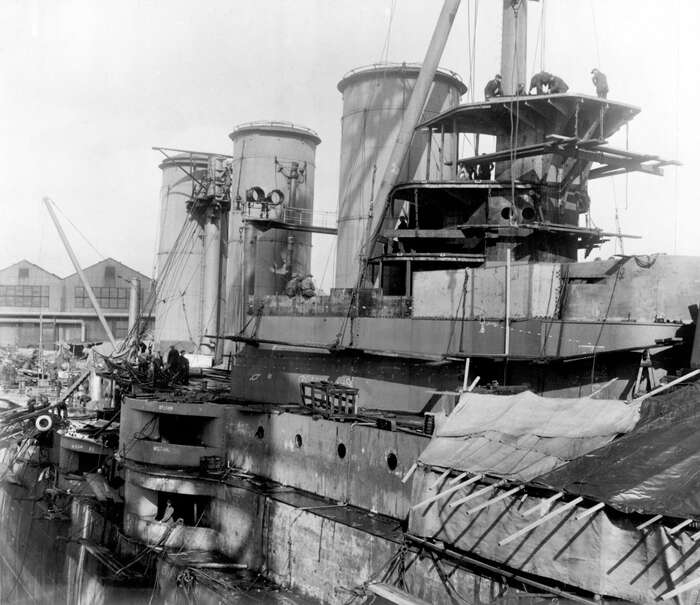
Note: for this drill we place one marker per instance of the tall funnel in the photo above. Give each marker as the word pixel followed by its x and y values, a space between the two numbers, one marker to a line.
pixel 272 156
pixel 180 260
pixel 374 102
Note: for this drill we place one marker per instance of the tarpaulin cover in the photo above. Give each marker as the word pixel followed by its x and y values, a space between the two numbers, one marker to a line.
pixel 655 469
pixel 522 436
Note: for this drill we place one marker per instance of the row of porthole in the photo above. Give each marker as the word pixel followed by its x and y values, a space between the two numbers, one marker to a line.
pixel 391 460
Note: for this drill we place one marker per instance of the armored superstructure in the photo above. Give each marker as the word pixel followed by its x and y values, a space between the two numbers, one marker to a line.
pixel 469 415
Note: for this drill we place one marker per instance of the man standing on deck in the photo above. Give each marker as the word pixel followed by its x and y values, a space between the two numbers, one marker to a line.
pixel 539 81
pixel 557 85
pixel 173 362
pixel 493 88
pixel 184 368
pixel 483 170
pixel 600 81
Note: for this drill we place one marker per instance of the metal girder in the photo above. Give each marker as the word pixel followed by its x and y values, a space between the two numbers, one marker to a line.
pixel 519 116
pixel 582 152
pixel 577 167
pixel 558 106
pixel 423 233
pixel 265 224
pixel 610 160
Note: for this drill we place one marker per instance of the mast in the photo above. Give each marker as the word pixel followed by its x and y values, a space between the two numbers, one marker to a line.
pixel 514 45
pixel 81 275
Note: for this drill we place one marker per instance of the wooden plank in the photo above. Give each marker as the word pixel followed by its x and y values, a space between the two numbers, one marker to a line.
pixel 649 522
pixel 679 527
pixel 440 479
pixel 542 505
pixel 410 472
pixel 502 496
pixel 666 386
pixel 393 594
pixel 535 524
pixel 590 511
pixel 680 589
pixel 447 492
pixel 477 493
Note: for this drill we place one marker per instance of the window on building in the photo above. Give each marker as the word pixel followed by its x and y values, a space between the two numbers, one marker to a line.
pixel 110 275
pixel 121 328
pixel 24 296
pixel 24 273
pixel 109 298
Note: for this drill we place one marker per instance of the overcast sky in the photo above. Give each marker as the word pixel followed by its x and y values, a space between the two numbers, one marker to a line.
pixel 88 87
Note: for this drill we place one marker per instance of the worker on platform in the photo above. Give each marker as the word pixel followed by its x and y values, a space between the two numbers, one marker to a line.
pixel 292 287
pixel 557 85
pixel 600 81
pixel 307 286
pixel 493 88
pixel 184 368
pixel 539 81
pixel 172 363
pixel 521 91
pixel 483 171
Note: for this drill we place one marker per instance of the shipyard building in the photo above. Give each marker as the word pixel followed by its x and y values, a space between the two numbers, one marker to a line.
pixel 39 307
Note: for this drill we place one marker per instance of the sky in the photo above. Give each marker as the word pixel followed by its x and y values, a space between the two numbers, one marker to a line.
pixel 87 87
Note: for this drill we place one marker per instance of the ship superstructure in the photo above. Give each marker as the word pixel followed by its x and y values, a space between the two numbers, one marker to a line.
pixel 473 413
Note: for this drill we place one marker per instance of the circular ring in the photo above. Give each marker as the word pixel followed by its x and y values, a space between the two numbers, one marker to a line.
pixel 275 197
pixel 43 423
pixel 255 195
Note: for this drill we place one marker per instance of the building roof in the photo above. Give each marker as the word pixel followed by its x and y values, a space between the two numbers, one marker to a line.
pixel 24 261
pixel 111 260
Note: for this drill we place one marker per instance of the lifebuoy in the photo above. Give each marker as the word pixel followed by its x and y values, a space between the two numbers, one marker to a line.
pixel 43 423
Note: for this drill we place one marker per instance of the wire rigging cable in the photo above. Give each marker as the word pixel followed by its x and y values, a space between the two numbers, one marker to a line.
pixel 471 44
pixel 540 40
pixel 595 33
pixel 384 56
pixel 514 121
pixel 89 243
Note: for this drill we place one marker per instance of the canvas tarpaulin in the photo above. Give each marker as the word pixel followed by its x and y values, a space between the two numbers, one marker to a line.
pixel 522 436
pixel 652 467
pixel 655 469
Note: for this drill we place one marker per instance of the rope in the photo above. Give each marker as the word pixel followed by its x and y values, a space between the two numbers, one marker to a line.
pixel 514 128
pixel 595 34
pixel 540 43
pixel 471 45
pixel 605 319
pixel 384 56
pixel 89 243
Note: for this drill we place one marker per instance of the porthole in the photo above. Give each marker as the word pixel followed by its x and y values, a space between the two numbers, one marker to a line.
pixel 342 450
pixel 528 213
pixel 298 440
pixel 260 433
pixel 392 461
